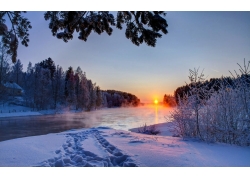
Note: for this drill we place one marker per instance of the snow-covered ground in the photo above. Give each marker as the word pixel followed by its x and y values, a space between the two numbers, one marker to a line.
pixel 104 146
pixel 12 110
pixel 13 114
pixel 112 147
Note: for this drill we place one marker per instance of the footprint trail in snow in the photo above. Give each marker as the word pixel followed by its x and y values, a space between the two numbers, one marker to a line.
pixel 74 152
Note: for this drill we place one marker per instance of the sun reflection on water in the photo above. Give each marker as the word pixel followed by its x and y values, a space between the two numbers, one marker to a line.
pixel 156 114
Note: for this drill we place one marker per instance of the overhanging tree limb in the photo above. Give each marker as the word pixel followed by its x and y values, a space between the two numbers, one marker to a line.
pixel 142 26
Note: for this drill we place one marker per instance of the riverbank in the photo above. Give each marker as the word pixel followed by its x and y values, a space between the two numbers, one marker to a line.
pixel 104 146
pixel 20 111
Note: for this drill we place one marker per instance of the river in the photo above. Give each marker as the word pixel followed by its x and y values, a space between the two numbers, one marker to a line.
pixel 117 118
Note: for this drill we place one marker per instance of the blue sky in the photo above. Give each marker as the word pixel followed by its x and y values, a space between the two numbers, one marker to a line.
pixel 213 41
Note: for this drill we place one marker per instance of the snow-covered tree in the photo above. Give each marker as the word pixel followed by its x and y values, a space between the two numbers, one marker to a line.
pixel 58 82
pixel 84 97
pixel 196 95
pixel 29 85
pixel 4 64
pixel 92 95
pixel 98 96
pixel 17 72
pixel 78 75
pixel 49 64
pixel 104 99
pixel 215 114
pixel 70 87
pixel 29 68
pixel 43 87
pixel 4 71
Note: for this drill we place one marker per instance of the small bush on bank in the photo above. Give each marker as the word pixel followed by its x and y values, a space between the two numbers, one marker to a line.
pixel 151 130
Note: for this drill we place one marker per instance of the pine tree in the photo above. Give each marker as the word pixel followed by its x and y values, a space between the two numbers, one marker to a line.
pixel 42 95
pixel 92 95
pixel 29 85
pixel 4 70
pixel 4 65
pixel 69 73
pixel 17 72
pixel 84 97
pixel 70 87
pixel 77 76
pixel 19 30
pixel 169 100
pixel 141 26
pixel 58 86
pixel 164 99
pixel 98 97
pixel 104 99
pixel 49 64
pixel 29 68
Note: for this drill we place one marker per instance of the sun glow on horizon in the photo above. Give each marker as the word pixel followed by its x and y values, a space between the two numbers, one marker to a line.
pixel 156 101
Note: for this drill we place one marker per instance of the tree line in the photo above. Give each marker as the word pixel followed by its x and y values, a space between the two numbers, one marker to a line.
pixel 214 84
pixel 47 86
pixel 169 100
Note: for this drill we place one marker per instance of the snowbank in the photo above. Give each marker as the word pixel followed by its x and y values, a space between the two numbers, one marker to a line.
pixel 12 110
pixel 109 147
pixel 14 114
pixel 29 150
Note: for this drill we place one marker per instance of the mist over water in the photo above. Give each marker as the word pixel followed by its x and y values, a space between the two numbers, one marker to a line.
pixel 127 118
pixel 117 118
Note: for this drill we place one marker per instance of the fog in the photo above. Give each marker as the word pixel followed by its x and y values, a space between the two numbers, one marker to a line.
pixel 127 118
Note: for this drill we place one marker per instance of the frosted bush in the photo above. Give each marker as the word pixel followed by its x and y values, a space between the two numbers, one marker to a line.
pixel 215 116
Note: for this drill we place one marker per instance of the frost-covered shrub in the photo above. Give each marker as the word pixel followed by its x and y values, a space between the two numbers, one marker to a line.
pixel 183 124
pixel 216 116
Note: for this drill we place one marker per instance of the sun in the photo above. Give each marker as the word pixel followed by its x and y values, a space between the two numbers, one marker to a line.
pixel 156 101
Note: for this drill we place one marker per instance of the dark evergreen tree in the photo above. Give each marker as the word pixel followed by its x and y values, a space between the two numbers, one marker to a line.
pixel 49 64
pixel 70 87
pixel 92 95
pixel 169 100
pixel 84 96
pixel 29 86
pixel 4 70
pixel 141 26
pixel 58 92
pixel 19 30
pixel 77 86
pixel 69 73
pixel 98 97
pixel 42 89
pixel 17 72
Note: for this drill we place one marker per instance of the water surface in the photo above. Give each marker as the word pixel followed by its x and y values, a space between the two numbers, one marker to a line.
pixel 117 118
